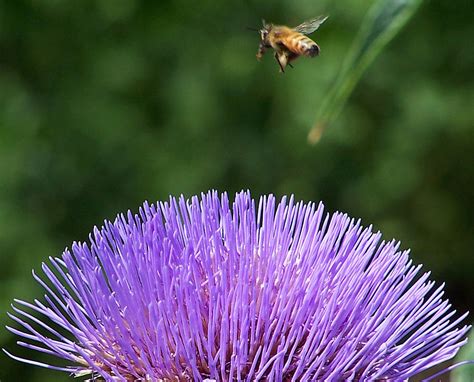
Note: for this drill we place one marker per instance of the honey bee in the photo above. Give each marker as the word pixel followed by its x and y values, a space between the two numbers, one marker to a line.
pixel 289 43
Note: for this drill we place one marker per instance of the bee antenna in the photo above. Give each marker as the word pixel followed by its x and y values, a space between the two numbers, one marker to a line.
pixel 252 29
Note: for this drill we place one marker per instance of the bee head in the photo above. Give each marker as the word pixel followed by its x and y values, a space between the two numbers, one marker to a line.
pixel 265 30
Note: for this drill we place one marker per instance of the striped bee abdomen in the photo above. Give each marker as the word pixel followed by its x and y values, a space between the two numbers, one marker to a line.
pixel 303 45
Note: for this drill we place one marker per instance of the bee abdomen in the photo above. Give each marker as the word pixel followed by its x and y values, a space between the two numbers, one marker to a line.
pixel 314 50
pixel 305 46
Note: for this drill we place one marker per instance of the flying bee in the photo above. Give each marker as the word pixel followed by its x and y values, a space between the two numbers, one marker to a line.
pixel 289 43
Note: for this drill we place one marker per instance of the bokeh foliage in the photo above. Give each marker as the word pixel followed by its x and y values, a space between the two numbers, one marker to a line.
pixel 383 21
pixel 106 103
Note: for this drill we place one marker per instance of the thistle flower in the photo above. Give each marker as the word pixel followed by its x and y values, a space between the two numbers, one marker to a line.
pixel 203 289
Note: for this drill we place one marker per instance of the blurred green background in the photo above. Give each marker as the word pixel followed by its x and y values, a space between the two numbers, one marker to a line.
pixel 106 103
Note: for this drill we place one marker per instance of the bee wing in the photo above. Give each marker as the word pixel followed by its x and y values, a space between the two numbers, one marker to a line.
pixel 310 26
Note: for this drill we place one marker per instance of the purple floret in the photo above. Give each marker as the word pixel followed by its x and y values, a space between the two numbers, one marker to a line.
pixel 197 289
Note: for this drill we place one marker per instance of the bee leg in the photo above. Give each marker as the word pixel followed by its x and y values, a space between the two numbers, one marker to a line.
pixel 261 52
pixel 282 68
pixel 291 57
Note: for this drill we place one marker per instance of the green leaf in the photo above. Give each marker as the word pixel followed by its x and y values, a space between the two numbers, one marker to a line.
pixel 464 372
pixel 382 22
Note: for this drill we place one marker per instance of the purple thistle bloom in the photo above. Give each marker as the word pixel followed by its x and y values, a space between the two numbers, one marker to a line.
pixel 200 289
